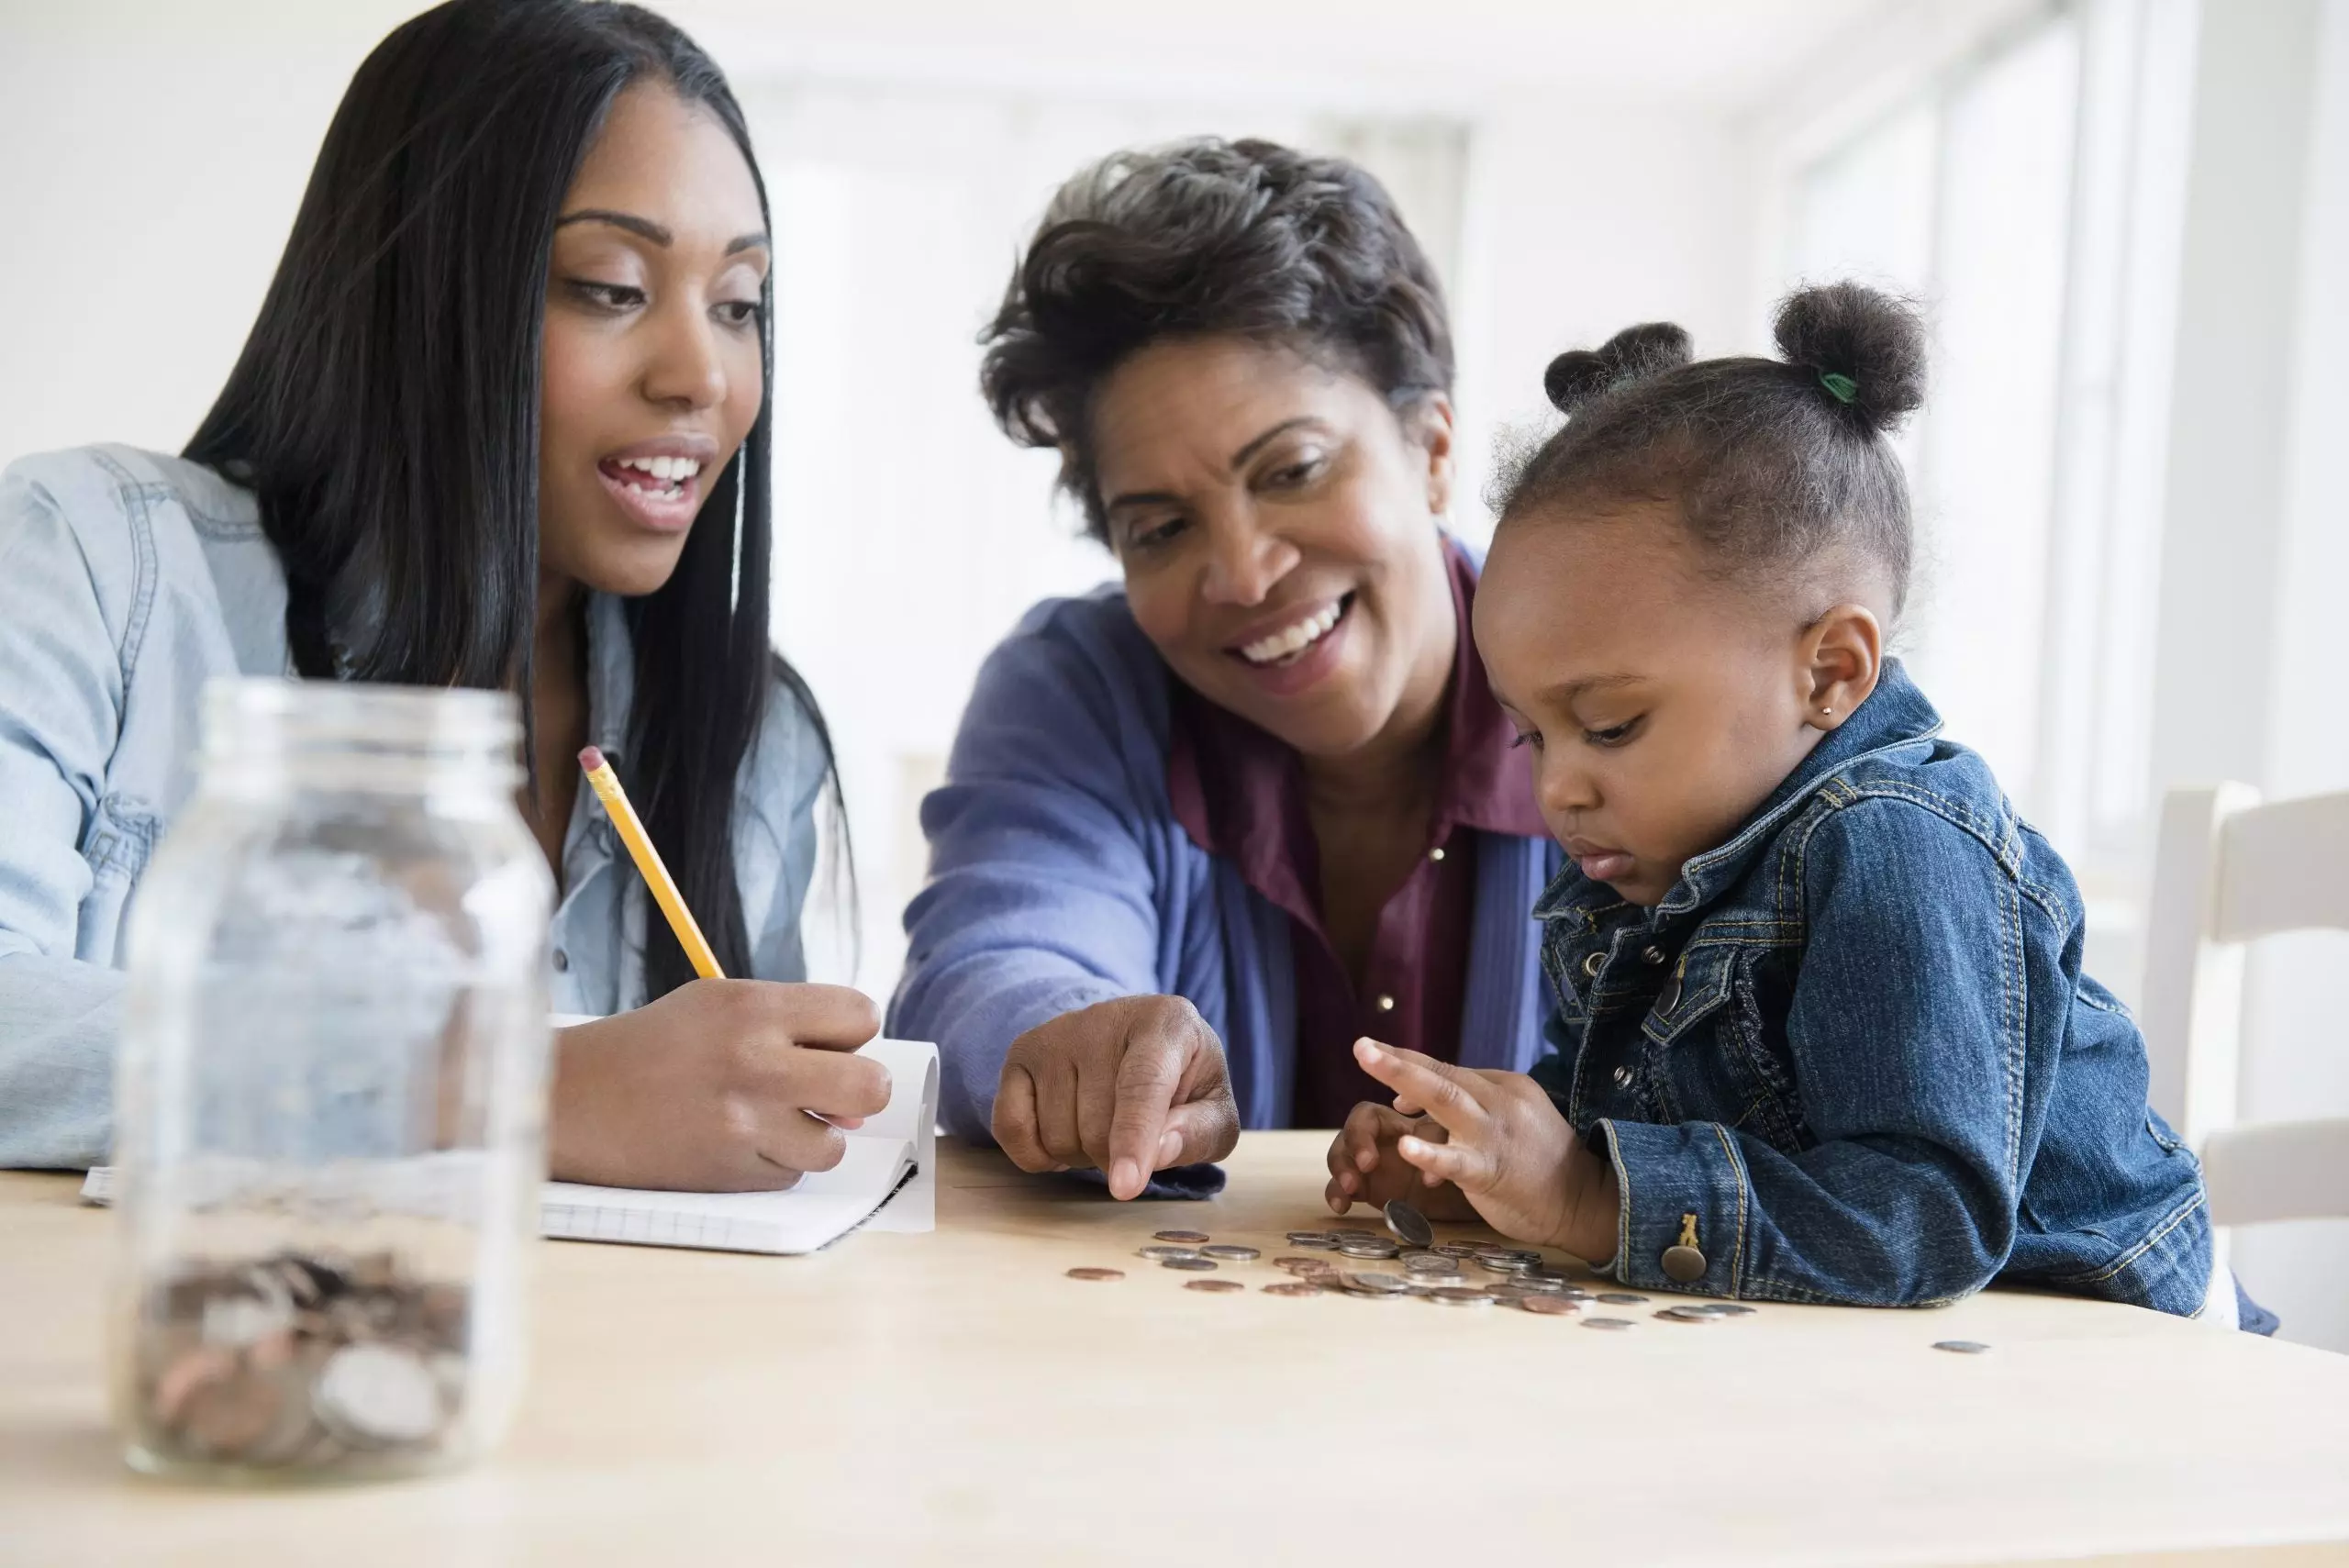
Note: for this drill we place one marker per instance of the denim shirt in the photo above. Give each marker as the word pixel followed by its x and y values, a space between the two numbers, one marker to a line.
pixel 127 580
pixel 1851 1057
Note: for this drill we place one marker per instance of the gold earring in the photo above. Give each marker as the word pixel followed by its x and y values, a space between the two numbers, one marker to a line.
pixel 1828 711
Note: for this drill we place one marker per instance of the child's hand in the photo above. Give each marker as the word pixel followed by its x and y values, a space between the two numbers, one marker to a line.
pixel 1505 1147
pixel 1365 1167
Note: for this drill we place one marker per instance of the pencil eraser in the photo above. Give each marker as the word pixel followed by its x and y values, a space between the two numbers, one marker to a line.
pixel 591 759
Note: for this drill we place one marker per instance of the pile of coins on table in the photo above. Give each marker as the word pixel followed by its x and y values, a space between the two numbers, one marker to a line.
pixel 1460 1274
pixel 301 1362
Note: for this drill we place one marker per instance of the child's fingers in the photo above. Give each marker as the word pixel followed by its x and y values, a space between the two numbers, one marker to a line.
pixel 1462 1166
pixel 1440 1091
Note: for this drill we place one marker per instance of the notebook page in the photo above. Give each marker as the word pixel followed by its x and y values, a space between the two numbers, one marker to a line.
pixel 824 1206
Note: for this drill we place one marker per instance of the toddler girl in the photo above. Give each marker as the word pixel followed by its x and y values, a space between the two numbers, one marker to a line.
pixel 1823 1032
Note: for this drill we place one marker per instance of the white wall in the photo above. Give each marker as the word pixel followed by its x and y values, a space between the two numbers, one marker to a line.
pixel 151 157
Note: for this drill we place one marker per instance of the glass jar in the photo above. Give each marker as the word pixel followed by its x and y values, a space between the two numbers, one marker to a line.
pixel 330 1095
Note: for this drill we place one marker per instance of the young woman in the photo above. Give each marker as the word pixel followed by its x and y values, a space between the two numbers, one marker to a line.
pixel 1202 831
pixel 502 423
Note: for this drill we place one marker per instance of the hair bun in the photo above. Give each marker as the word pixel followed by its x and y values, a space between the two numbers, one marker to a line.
pixel 1875 341
pixel 1635 353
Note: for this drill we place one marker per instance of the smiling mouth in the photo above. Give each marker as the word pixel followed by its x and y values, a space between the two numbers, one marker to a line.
pixel 663 478
pixel 1292 641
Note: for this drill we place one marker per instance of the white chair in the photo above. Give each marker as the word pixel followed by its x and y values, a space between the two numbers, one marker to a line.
pixel 2228 869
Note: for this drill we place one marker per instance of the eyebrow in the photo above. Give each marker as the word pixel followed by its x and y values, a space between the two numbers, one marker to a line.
pixel 1238 460
pixel 645 228
pixel 1564 693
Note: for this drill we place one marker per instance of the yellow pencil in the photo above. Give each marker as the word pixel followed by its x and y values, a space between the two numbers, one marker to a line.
pixel 648 861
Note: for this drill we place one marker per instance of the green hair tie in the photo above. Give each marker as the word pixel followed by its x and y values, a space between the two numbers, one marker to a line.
pixel 1842 386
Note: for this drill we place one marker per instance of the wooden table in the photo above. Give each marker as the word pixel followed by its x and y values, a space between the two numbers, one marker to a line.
pixel 953 1398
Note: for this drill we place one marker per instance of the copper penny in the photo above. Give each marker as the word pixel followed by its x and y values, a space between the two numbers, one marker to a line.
pixel 1096 1273
pixel 1549 1305
pixel 224 1417
pixel 1214 1286
pixel 1187 1238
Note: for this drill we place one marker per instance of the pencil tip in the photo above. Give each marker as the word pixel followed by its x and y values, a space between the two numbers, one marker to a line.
pixel 590 758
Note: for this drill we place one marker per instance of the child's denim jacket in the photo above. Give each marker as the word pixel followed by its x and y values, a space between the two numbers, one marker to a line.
pixel 1851 1057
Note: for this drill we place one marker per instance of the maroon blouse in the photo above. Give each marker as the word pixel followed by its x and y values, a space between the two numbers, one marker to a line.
pixel 1241 794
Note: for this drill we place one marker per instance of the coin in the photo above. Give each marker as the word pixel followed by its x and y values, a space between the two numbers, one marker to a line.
pixel 1725 1310
pixel 1288 1287
pixel 1383 1285
pixel 225 1416
pixel 1408 1224
pixel 1189 1238
pixel 1307 1238
pixel 1429 1264
pixel 1621 1298
pixel 1214 1286
pixel 1232 1253
pixel 1193 1264
pixel 1688 1314
pixel 1371 1248
pixel 377 1397
pixel 1962 1347
pixel 1614 1324
pixel 1096 1273
pixel 1315 1244
pixel 1549 1305
pixel 1160 1254
pixel 1458 1295
pixel 1500 1265
pixel 1374 1295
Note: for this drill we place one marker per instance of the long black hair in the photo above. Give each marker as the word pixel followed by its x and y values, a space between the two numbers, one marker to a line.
pixel 385 411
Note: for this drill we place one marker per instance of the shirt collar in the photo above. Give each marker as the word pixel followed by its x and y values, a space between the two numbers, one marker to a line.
pixel 1895 714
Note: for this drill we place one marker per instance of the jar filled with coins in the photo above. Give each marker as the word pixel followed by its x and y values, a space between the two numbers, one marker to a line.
pixel 331 1101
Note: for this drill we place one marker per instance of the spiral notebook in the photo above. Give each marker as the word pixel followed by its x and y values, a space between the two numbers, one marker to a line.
pixel 886 1181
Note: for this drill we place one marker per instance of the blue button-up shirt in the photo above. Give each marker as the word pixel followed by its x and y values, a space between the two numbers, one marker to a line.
pixel 128 580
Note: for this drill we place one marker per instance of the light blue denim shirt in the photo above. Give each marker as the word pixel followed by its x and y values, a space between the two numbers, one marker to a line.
pixel 127 581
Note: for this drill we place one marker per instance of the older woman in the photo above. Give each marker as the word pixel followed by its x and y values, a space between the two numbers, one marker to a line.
pixel 1200 833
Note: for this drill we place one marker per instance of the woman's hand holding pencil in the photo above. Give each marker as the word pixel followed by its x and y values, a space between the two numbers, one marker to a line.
pixel 721 1085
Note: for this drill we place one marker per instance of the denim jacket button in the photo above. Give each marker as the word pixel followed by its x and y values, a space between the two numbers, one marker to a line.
pixel 1652 955
pixel 1623 1076
pixel 1594 963
pixel 1684 1264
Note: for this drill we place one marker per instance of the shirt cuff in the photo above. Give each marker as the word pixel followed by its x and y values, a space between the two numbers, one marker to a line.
pixel 1667 1176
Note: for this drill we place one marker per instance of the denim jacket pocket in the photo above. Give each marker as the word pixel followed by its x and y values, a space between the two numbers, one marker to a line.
pixel 1712 1049
pixel 120 838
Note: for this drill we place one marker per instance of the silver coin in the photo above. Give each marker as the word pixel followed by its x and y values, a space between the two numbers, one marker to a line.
pixel 1385 1285
pixel 1454 1296
pixel 377 1396
pixel 1962 1347
pixel 1373 1294
pixel 1315 1244
pixel 1453 1249
pixel 1306 1238
pixel 1162 1254
pixel 1725 1310
pixel 1408 1224
pixel 1501 1266
pixel 1688 1314
pixel 1381 1251
pixel 1356 1233
pixel 1440 1282
pixel 1530 1281
pixel 1621 1298
pixel 1615 1324
pixel 1195 1265
pixel 1230 1253
pixel 1429 1264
